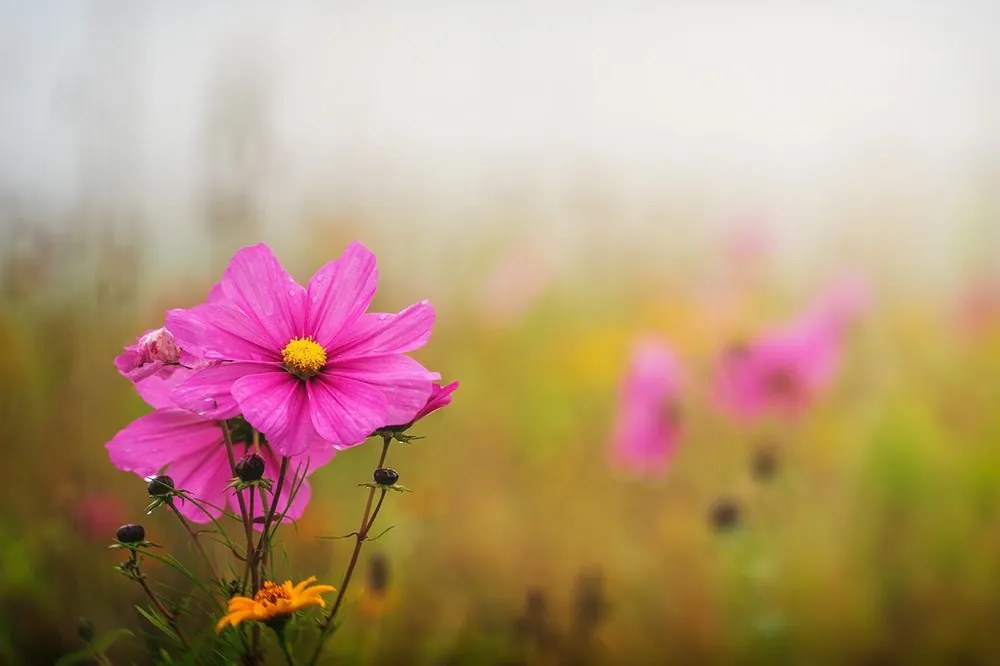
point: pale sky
(793, 107)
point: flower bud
(386, 477)
(160, 486)
(764, 463)
(159, 345)
(725, 514)
(131, 533)
(85, 629)
(250, 468)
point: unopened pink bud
(159, 345)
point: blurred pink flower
(781, 371)
(749, 239)
(784, 370)
(304, 365)
(648, 428)
(514, 284)
(99, 514)
(978, 307)
(845, 301)
(191, 450)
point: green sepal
(398, 488)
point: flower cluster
(280, 369)
(782, 371)
(251, 392)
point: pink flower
(305, 365)
(781, 371)
(648, 429)
(845, 301)
(98, 514)
(440, 397)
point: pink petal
(276, 403)
(266, 293)
(440, 397)
(208, 392)
(221, 331)
(375, 334)
(159, 438)
(155, 390)
(340, 292)
(345, 411)
(404, 383)
(205, 479)
(187, 447)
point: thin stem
(197, 541)
(167, 615)
(264, 542)
(284, 648)
(367, 519)
(250, 570)
(218, 526)
(378, 505)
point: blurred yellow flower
(274, 601)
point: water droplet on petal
(383, 317)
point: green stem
(167, 615)
(367, 520)
(283, 642)
(264, 542)
(249, 571)
(197, 541)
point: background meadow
(561, 181)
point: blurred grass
(876, 542)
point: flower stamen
(303, 357)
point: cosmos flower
(781, 371)
(844, 302)
(305, 365)
(274, 602)
(648, 429)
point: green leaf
(96, 648)
(103, 643)
(82, 656)
(158, 621)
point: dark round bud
(85, 629)
(160, 486)
(725, 514)
(131, 533)
(250, 468)
(378, 573)
(764, 463)
(386, 477)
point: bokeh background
(561, 179)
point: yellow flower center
(303, 357)
(270, 594)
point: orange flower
(274, 601)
